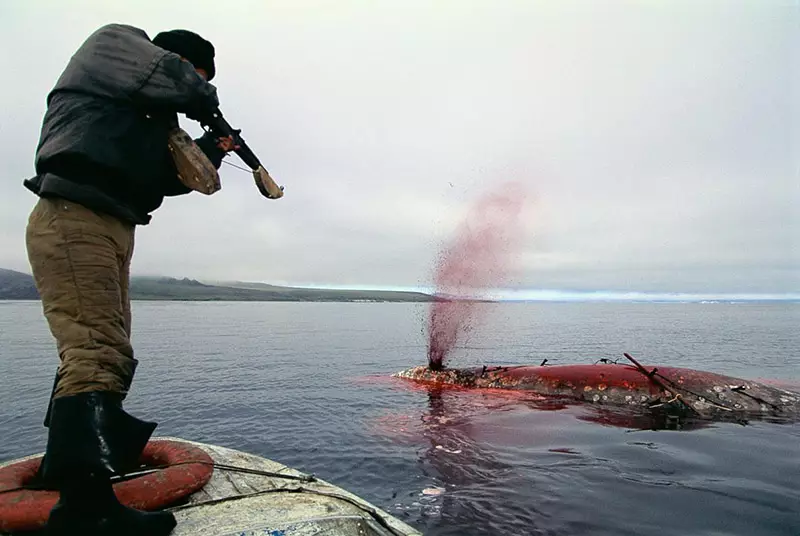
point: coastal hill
(19, 286)
(16, 286)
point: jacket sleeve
(208, 144)
(172, 84)
(174, 187)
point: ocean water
(307, 384)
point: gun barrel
(220, 127)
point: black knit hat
(189, 45)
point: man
(102, 166)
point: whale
(674, 390)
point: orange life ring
(189, 469)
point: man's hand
(227, 144)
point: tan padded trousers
(80, 261)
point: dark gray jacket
(104, 136)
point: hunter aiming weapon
(217, 124)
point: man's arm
(174, 85)
(210, 147)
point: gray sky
(658, 141)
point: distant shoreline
(19, 286)
(432, 299)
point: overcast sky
(657, 141)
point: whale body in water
(672, 389)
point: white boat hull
(245, 502)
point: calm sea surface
(307, 384)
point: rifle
(217, 124)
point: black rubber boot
(38, 481)
(89, 507)
(91, 439)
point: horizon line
(534, 294)
(526, 294)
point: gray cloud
(658, 141)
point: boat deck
(248, 495)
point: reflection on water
(462, 469)
(492, 460)
(308, 384)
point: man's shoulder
(118, 28)
(122, 38)
(114, 57)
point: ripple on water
(307, 385)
